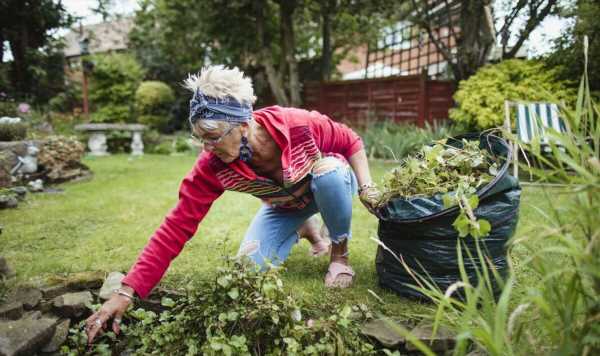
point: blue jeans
(273, 232)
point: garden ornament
(27, 164)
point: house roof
(103, 37)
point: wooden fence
(413, 99)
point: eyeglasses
(211, 141)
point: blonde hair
(219, 82)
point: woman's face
(223, 142)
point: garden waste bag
(419, 231)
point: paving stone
(29, 296)
(25, 336)
(53, 291)
(150, 304)
(443, 339)
(8, 202)
(33, 314)
(45, 306)
(60, 336)
(73, 304)
(382, 331)
(11, 310)
(20, 191)
(112, 282)
(85, 280)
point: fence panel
(402, 99)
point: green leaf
(167, 302)
(462, 224)
(448, 200)
(224, 281)
(233, 294)
(473, 201)
(484, 227)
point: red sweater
(303, 137)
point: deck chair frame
(548, 119)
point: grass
(102, 224)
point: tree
(274, 39)
(567, 52)
(27, 27)
(470, 23)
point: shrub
(13, 132)
(163, 148)
(181, 145)
(118, 141)
(8, 108)
(153, 102)
(67, 100)
(112, 87)
(390, 140)
(480, 98)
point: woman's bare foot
(317, 236)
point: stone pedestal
(97, 144)
(137, 146)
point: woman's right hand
(114, 308)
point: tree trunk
(18, 46)
(1, 47)
(475, 39)
(264, 55)
(286, 16)
(327, 9)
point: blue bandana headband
(204, 107)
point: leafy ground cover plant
(242, 311)
(455, 172)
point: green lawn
(102, 224)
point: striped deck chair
(532, 120)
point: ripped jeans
(273, 232)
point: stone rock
(11, 310)
(45, 306)
(83, 280)
(5, 270)
(29, 296)
(443, 339)
(60, 336)
(73, 304)
(33, 314)
(25, 336)
(112, 282)
(19, 191)
(382, 331)
(151, 304)
(53, 291)
(8, 201)
(36, 185)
